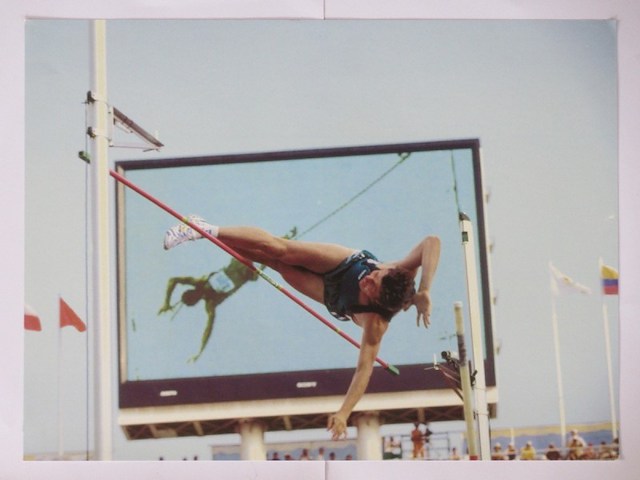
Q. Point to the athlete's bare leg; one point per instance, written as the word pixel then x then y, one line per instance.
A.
pixel 261 246
pixel 304 281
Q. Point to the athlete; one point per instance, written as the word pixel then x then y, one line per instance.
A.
pixel 213 289
pixel 353 285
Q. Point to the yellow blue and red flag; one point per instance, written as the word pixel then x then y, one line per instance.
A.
pixel 610 279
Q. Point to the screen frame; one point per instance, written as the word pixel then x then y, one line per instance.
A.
pixel 297 384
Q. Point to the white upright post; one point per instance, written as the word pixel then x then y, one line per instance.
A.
pixel 369 445
pixel 100 307
pixel 60 413
pixel 612 398
pixel 465 383
pixel 480 388
pixel 607 344
pixel 252 440
pixel 556 345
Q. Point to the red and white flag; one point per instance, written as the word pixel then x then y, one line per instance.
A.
pixel 31 319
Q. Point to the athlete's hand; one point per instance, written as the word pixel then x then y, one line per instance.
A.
pixel 338 425
pixel 422 301
pixel 165 308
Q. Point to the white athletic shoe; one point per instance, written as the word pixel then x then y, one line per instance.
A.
pixel 183 233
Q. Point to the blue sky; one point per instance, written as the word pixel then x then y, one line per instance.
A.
pixel 547 134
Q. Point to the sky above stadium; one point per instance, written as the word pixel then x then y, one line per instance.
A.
pixel 540 96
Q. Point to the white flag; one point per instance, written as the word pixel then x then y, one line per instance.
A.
pixel 562 283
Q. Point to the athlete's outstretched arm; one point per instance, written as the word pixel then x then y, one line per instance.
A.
pixel 171 286
pixel 373 328
pixel 425 255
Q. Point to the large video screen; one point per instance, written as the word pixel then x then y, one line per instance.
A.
pixel 179 322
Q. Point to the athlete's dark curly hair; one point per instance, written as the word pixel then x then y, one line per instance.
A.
pixel 397 289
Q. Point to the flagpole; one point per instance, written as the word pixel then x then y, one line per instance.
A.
pixel 59 381
pixel 614 425
pixel 556 343
pixel 607 343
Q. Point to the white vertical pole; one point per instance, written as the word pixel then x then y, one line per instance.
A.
pixel 556 344
pixel 60 418
pixel 482 409
pixel 369 445
pixel 612 401
pixel 465 383
pixel 607 343
pixel 100 241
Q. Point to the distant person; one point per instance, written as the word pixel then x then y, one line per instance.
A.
pixel 552 453
pixel 454 454
pixel 304 455
pixel 497 453
pixel 576 446
pixel 512 453
pixel 352 284
pixel 320 454
pixel 605 451
pixel 387 451
pixel 391 449
pixel 332 455
pixel 396 445
pixel 417 438
pixel 528 452
pixel 589 452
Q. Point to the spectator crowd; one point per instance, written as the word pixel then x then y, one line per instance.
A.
pixel 576 449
